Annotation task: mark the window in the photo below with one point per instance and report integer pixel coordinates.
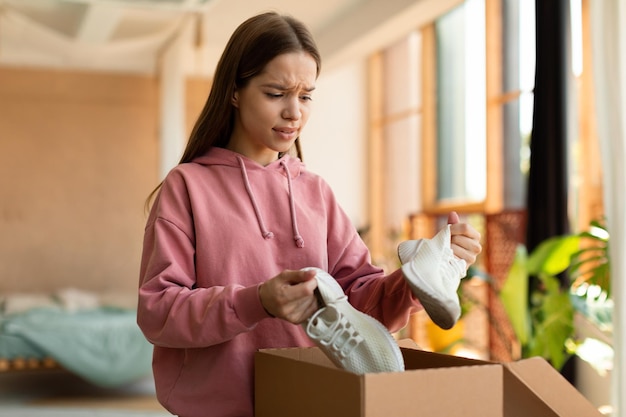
(461, 117)
(485, 76)
(452, 116)
(402, 121)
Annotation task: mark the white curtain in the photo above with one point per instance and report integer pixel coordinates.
(608, 26)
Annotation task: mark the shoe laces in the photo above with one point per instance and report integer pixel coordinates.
(336, 333)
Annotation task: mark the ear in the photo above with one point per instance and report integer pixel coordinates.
(235, 99)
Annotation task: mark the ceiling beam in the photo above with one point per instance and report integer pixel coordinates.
(99, 23)
(374, 25)
(172, 5)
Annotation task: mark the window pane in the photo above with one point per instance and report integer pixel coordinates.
(402, 96)
(402, 170)
(519, 45)
(402, 75)
(516, 150)
(461, 152)
(518, 76)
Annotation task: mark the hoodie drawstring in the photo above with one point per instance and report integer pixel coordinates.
(266, 233)
(292, 208)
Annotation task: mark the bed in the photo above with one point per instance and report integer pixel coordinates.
(94, 336)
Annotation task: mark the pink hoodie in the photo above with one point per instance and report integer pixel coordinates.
(219, 227)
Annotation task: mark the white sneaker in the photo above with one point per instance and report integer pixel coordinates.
(434, 275)
(353, 340)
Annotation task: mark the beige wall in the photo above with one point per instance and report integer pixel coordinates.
(78, 156)
(196, 93)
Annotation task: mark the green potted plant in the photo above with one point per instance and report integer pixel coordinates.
(544, 319)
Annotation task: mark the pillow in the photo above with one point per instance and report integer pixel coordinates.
(72, 299)
(21, 302)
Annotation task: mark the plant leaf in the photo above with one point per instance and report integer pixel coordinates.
(553, 322)
(514, 295)
(591, 263)
(553, 255)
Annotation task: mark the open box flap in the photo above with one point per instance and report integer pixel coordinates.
(521, 401)
(549, 385)
(415, 358)
(306, 354)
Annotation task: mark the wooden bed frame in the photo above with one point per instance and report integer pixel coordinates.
(27, 364)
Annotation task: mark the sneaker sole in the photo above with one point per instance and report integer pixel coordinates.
(441, 316)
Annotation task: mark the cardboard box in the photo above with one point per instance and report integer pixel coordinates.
(303, 382)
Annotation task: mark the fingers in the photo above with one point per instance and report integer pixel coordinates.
(453, 218)
(290, 295)
(465, 242)
(464, 229)
(466, 249)
(296, 277)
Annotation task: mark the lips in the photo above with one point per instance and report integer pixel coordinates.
(286, 132)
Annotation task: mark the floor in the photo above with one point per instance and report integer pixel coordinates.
(57, 393)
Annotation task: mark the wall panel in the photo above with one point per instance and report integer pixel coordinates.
(78, 156)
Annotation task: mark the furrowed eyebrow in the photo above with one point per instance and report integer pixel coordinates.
(284, 88)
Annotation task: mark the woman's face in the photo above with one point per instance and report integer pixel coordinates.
(273, 108)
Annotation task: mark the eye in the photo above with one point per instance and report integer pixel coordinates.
(274, 95)
(306, 97)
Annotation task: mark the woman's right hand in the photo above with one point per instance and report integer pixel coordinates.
(290, 295)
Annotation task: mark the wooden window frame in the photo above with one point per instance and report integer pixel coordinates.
(589, 187)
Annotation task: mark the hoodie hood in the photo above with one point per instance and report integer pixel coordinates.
(287, 166)
(226, 157)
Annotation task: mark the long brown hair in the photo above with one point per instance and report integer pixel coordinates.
(254, 43)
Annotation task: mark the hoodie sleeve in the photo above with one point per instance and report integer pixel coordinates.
(172, 311)
(387, 298)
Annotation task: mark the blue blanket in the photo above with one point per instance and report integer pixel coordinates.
(103, 345)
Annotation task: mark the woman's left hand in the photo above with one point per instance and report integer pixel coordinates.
(465, 242)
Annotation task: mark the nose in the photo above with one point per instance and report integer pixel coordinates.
(292, 109)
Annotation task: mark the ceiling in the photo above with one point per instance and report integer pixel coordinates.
(132, 35)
